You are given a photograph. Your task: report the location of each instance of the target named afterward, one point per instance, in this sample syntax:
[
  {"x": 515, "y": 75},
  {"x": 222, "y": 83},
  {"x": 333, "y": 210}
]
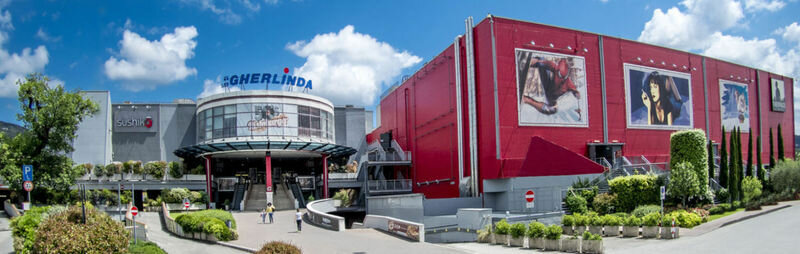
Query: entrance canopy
[{"x": 332, "y": 150}]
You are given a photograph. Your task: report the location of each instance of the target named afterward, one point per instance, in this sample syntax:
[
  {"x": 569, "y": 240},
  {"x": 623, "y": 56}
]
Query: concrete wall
[
  {"x": 405, "y": 207},
  {"x": 383, "y": 222},
  {"x": 509, "y": 194},
  {"x": 349, "y": 125},
  {"x": 449, "y": 206},
  {"x": 318, "y": 214},
  {"x": 176, "y": 127},
  {"x": 93, "y": 141}
]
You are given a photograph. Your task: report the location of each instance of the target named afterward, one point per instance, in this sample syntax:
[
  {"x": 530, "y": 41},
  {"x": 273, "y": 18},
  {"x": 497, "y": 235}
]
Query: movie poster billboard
[
  {"x": 268, "y": 119},
  {"x": 551, "y": 89},
  {"x": 734, "y": 105},
  {"x": 778, "y": 95},
  {"x": 657, "y": 98}
]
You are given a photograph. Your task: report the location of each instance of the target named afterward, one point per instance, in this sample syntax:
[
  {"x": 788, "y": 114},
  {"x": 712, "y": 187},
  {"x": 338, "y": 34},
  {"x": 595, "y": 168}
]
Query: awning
[{"x": 333, "y": 150}]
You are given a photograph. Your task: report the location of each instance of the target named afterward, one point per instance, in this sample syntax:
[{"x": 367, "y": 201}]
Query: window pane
[
  {"x": 304, "y": 121},
  {"x": 229, "y": 125},
  {"x": 303, "y": 110},
  {"x": 230, "y": 109},
  {"x": 314, "y": 111},
  {"x": 244, "y": 107}
]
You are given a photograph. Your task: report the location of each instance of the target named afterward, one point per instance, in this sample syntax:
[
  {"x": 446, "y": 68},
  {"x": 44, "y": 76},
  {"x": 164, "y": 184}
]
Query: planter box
[
  {"x": 550, "y": 244},
  {"x": 579, "y": 230},
  {"x": 570, "y": 245},
  {"x": 592, "y": 246},
  {"x": 535, "y": 243},
  {"x": 630, "y": 231},
  {"x": 650, "y": 232},
  {"x": 337, "y": 203},
  {"x": 611, "y": 231},
  {"x": 500, "y": 239},
  {"x": 493, "y": 238},
  {"x": 567, "y": 230},
  {"x": 595, "y": 230},
  {"x": 487, "y": 239},
  {"x": 667, "y": 234},
  {"x": 516, "y": 241}
]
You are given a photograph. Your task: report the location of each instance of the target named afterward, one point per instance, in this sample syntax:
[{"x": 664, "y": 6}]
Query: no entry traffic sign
[
  {"x": 530, "y": 196},
  {"x": 27, "y": 185},
  {"x": 186, "y": 204},
  {"x": 134, "y": 210}
]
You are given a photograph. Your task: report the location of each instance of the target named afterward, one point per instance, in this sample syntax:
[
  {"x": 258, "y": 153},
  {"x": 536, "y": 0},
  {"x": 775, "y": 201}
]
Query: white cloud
[
  {"x": 691, "y": 29},
  {"x": 763, "y": 5},
  {"x": 145, "y": 64},
  {"x": 42, "y": 35},
  {"x": 349, "y": 67},
  {"x": 251, "y": 6},
  {"x": 790, "y": 33},
  {"x": 14, "y": 66},
  {"x": 226, "y": 15},
  {"x": 211, "y": 87}
]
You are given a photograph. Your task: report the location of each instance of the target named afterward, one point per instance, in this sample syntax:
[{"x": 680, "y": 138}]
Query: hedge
[
  {"x": 634, "y": 190},
  {"x": 690, "y": 146},
  {"x": 208, "y": 221},
  {"x": 576, "y": 203},
  {"x": 145, "y": 247},
  {"x": 536, "y": 229},
  {"x": 64, "y": 232},
  {"x": 604, "y": 203},
  {"x": 502, "y": 227},
  {"x": 177, "y": 195}
]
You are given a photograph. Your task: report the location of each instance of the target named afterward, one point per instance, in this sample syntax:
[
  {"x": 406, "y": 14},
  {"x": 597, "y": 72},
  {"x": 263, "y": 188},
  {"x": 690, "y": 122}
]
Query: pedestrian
[
  {"x": 299, "y": 217},
  {"x": 270, "y": 210},
  {"x": 263, "y": 215}
]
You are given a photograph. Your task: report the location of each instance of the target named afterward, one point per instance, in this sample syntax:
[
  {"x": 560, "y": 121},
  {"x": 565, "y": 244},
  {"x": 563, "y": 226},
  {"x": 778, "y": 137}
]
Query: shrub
[
  {"x": 716, "y": 210},
  {"x": 576, "y": 204},
  {"x": 345, "y": 195},
  {"x": 199, "y": 170},
  {"x": 690, "y": 146},
  {"x": 502, "y": 227},
  {"x": 517, "y": 229},
  {"x": 621, "y": 215},
  {"x": 634, "y": 190},
  {"x": 588, "y": 236},
  {"x": 127, "y": 167},
  {"x": 65, "y": 233},
  {"x": 597, "y": 221},
  {"x": 99, "y": 170},
  {"x": 175, "y": 169},
  {"x": 145, "y": 247},
  {"x": 751, "y": 188},
  {"x": 137, "y": 167},
  {"x": 603, "y": 203},
  {"x": 736, "y": 204},
  {"x": 685, "y": 219},
  {"x": 684, "y": 182},
  {"x": 610, "y": 220},
  {"x": 553, "y": 232},
  {"x": 643, "y": 210},
  {"x": 588, "y": 193},
  {"x": 568, "y": 220},
  {"x": 483, "y": 234},
  {"x": 536, "y": 229},
  {"x": 726, "y": 207},
  {"x": 110, "y": 170},
  {"x": 786, "y": 176},
  {"x": 651, "y": 219},
  {"x": 632, "y": 221},
  {"x": 208, "y": 221},
  {"x": 722, "y": 194},
  {"x": 279, "y": 247},
  {"x": 24, "y": 228},
  {"x": 752, "y": 205}
]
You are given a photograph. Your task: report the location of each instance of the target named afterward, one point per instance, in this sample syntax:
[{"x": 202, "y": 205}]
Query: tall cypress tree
[
  {"x": 759, "y": 167},
  {"x": 780, "y": 144},
  {"x": 771, "y": 154},
  {"x": 710, "y": 152},
  {"x": 732, "y": 166},
  {"x": 739, "y": 165},
  {"x": 723, "y": 162},
  {"x": 749, "y": 168}
]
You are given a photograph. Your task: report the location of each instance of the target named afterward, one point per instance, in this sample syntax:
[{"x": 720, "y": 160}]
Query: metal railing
[{"x": 399, "y": 185}]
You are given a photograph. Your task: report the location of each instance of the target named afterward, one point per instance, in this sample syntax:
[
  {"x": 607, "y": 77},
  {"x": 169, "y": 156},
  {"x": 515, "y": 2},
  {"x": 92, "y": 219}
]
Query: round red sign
[
  {"x": 134, "y": 211},
  {"x": 148, "y": 122},
  {"x": 27, "y": 185},
  {"x": 186, "y": 204},
  {"x": 529, "y": 196}
]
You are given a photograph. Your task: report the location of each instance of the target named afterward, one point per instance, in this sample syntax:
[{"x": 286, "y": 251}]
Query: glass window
[
  {"x": 244, "y": 107},
  {"x": 314, "y": 111},
  {"x": 229, "y": 109},
  {"x": 218, "y": 111},
  {"x": 304, "y": 121},
  {"x": 303, "y": 110},
  {"x": 229, "y": 125}
]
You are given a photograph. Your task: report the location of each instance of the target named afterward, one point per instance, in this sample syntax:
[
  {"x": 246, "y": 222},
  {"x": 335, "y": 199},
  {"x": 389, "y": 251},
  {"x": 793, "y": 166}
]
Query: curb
[
  {"x": 753, "y": 215},
  {"x": 238, "y": 247}
]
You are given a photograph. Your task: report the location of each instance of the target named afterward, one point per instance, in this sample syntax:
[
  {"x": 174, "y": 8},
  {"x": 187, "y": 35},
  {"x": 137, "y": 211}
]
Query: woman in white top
[{"x": 299, "y": 217}]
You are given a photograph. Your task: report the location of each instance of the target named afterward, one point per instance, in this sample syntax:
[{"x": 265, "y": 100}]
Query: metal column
[
  {"x": 208, "y": 181},
  {"x": 324, "y": 176},
  {"x": 463, "y": 190},
  {"x": 473, "y": 139},
  {"x": 603, "y": 91}
]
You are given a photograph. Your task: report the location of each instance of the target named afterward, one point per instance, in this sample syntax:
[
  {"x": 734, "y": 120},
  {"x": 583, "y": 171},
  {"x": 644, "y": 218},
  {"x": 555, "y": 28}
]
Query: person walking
[
  {"x": 299, "y": 217},
  {"x": 270, "y": 211}
]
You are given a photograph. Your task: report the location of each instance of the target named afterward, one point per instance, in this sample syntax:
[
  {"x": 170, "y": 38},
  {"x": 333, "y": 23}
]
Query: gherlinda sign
[{"x": 289, "y": 81}]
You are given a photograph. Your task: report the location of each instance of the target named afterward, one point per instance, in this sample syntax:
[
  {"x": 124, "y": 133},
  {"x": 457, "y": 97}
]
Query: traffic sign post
[
  {"x": 530, "y": 196},
  {"x": 134, "y": 212},
  {"x": 663, "y": 196},
  {"x": 27, "y": 178}
]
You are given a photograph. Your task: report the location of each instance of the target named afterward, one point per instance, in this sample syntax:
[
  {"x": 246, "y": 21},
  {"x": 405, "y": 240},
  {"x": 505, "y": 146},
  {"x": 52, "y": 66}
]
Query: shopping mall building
[{"x": 509, "y": 107}]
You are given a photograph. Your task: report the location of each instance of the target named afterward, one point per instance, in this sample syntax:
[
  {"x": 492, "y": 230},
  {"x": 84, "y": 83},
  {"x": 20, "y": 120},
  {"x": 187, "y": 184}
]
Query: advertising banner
[
  {"x": 135, "y": 118},
  {"x": 778, "y": 95},
  {"x": 657, "y": 98},
  {"x": 734, "y": 105},
  {"x": 404, "y": 229},
  {"x": 267, "y": 119},
  {"x": 551, "y": 89}
]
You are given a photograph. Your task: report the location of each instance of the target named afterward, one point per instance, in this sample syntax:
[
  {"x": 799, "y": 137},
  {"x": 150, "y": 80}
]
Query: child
[{"x": 263, "y": 216}]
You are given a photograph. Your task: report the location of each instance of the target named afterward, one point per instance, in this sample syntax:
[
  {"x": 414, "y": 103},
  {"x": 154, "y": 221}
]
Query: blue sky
[{"x": 156, "y": 51}]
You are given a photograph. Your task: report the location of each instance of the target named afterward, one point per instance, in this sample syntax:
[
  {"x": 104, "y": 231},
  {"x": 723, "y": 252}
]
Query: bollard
[{"x": 672, "y": 230}]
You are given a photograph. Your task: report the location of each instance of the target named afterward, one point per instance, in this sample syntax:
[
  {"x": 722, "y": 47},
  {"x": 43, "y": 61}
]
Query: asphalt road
[
  {"x": 776, "y": 232},
  {"x": 6, "y": 242}
]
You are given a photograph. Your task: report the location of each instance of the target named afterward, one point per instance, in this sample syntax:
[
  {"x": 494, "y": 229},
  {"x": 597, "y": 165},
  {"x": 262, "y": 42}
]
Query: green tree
[
  {"x": 723, "y": 162},
  {"x": 780, "y": 144},
  {"x": 732, "y": 165},
  {"x": 749, "y": 167},
  {"x": 683, "y": 182},
  {"x": 771, "y": 154},
  {"x": 50, "y": 116},
  {"x": 752, "y": 188},
  {"x": 739, "y": 165},
  {"x": 710, "y": 162},
  {"x": 690, "y": 146},
  {"x": 759, "y": 165}
]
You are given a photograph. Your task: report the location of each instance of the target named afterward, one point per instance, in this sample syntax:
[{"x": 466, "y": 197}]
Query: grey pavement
[
  {"x": 6, "y": 241},
  {"x": 314, "y": 239},
  {"x": 174, "y": 244}
]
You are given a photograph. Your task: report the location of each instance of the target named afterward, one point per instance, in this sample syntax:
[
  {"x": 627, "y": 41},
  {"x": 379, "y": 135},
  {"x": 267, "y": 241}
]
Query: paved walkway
[
  {"x": 314, "y": 239},
  {"x": 174, "y": 244},
  {"x": 6, "y": 241}
]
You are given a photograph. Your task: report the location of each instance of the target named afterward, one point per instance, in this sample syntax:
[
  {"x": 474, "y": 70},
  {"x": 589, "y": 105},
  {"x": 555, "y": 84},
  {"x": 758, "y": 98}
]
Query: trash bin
[{"x": 228, "y": 223}]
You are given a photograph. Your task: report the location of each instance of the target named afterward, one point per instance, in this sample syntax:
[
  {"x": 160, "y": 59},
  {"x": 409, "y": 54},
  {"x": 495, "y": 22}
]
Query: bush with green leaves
[
  {"x": 588, "y": 193},
  {"x": 722, "y": 194},
  {"x": 99, "y": 170},
  {"x": 751, "y": 187},
  {"x": 536, "y": 229},
  {"x": 279, "y": 247},
  {"x": 175, "y": 169},
  {"x": 684, "y": 182},
  {"x": 127, "y": 167},
  {"x": 621, "y": 215},
  {"x": 137, "y": 168},
  {"x": 64, "y": 232},
  {"x": 110, "y": 170},
  {"x": 345, "y": 195},
  {"x": 582, "y": 219},
  {"x": 634, "y": 190},
  {"x": 651, "y": 219},
  {"x": 716, "y": 210},
  {"x": 23, "y": 228},
  {"x": 208, "y": 221},
  {"x": 144, "y": 247},
  {"x": 502, "y": 227},
  {"x": 632, "y": 221},
  {"x": 643, "y": 210},
  {"x": 786, "y": 176},
  {"x": 588, "y": 236},
  {"x": 604, "y": 203},
  {"x": 178, "y": 195},
  {"x": 199, "y": 170},
  {"x": 576, "y": 204},
  {"x": 568, "y": 220},
  {"x": 517, "y": 230},
  {"x": 553, "y": 232},
  {"x": 684, "y": 219},
  {"x": 690, "y": 146},
  {"x": 610, "y": 220},
  {"x": 596, "y": 220}
]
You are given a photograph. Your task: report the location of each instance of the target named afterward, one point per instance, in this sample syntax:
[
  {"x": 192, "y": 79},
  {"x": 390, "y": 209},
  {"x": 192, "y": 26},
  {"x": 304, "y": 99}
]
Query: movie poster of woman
[
  {"x": 734, "y": 105},
  {"x": 551, "y": 89},
  {"x": 658, "y": 99}
]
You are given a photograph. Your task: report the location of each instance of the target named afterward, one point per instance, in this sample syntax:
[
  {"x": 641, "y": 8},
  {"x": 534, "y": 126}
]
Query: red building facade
[{"x": 541, "y": 90}]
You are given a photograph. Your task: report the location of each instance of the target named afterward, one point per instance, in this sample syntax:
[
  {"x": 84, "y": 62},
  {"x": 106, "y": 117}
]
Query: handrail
[{"x": 389, "y": 185}]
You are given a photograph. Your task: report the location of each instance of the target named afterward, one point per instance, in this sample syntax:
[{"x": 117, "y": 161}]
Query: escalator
[
  {"x": 238, "y": 195},
  {"x": 298, "y": 194}
]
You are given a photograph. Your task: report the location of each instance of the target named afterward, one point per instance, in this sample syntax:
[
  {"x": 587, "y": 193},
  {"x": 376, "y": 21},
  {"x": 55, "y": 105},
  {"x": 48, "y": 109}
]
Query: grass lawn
[{"x": 717, "y": 216}]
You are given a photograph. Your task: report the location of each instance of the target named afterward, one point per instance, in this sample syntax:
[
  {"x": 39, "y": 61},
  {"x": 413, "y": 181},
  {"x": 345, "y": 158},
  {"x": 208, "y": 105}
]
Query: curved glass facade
[{"x": 264, "y": 120}]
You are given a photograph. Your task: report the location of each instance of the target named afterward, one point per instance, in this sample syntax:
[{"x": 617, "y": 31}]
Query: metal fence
[{"x": 399, "y": 185}]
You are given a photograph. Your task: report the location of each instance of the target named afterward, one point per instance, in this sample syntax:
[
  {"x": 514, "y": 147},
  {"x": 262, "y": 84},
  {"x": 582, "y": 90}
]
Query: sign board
[
  {"x": 663, "y": 193},
  {"x": 135, "y": 118},
  {"x": 134, "y": 210},
  {"x": 530, "y": 196},
  {"x": 404, "y": 229},
  {"x": 186, "y": 203},
  {"x": 26, "y": 206},
  {"x": 27, "y": 185},
  {"x": 27, "y": 172},
  {"x": 290, "y": 82}
]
